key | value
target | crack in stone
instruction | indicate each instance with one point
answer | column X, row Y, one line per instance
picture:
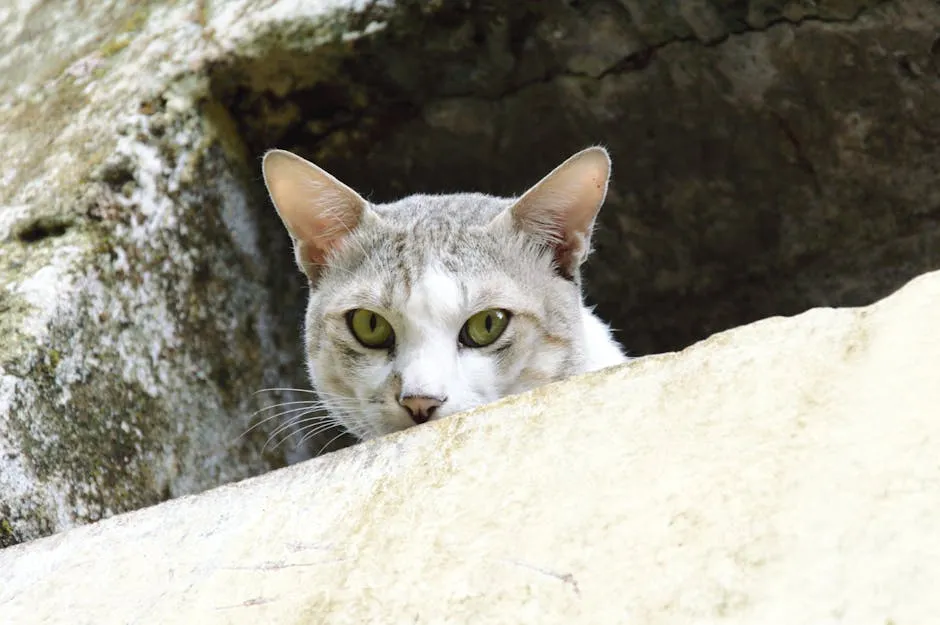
column 641, row 59
column 633, row 62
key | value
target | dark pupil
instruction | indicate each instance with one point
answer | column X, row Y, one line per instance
column 489, row 322
column 372, row 322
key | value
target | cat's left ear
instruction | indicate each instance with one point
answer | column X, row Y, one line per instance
column 561, row 208
column 318, row 210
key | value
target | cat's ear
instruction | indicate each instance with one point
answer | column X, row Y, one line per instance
column 560, row 210
column 317, row 209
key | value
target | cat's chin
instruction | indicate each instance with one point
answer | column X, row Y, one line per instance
column 385, row 426
column 378, row 427
column 379, row 432
column 391, row 420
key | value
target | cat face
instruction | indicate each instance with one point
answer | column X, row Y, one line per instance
column 433, row 305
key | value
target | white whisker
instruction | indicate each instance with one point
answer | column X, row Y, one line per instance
column 292, row 423
column 313, row 406
column 329, row 442
column 311, row 432
column 285, row 388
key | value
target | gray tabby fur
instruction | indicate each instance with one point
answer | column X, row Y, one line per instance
column 427, row 263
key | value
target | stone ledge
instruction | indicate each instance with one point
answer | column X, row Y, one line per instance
column 781, row 472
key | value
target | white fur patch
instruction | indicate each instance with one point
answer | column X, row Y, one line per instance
column 600, row 349
column 428, row 355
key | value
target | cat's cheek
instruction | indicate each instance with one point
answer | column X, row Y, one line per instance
column 332, row 381
column 532, row 361
column 380, row 387
column 373, row 376
column 477, row 383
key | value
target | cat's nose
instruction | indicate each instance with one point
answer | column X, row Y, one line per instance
column 421, row 407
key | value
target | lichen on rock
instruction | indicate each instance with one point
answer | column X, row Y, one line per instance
column 144, row 299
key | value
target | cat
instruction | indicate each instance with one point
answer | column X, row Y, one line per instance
column 435, row 304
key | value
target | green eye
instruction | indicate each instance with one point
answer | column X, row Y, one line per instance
column 484, row 328
column 371, row 329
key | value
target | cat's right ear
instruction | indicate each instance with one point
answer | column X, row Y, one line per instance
column 317, row 209
column 560, row 210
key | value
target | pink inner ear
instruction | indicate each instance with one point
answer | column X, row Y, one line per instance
column 314, row 254
column 320, row 242
column 317, row 209
column 560, row 209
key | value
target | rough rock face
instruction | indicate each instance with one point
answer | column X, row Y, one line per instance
column 143, row 299
column 769, row 156
column 784, row 472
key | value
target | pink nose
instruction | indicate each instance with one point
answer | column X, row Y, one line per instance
column 421, row 407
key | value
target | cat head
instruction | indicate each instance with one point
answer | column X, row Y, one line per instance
column 435, row 304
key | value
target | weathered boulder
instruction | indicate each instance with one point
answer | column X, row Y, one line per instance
column 769, row 156
column 784, row 472
column 143, row 299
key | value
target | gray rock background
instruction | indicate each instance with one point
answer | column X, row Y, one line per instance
column 143, row 300
column 769, row 157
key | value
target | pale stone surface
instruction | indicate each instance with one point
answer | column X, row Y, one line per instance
column 784, row 472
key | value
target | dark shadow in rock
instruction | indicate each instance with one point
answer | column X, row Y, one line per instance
column 761, row 166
